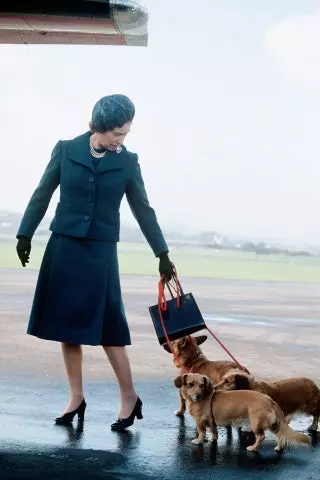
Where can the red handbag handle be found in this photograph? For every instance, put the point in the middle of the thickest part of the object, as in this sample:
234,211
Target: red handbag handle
162,302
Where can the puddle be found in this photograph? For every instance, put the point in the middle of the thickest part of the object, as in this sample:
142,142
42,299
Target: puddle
261,320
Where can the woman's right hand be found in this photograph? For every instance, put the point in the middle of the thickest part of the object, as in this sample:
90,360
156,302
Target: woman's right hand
166,267
23,250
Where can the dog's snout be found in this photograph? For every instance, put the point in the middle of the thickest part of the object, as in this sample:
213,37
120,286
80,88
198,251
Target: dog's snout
197,397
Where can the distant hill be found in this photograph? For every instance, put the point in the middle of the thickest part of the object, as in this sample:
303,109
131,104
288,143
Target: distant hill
9,223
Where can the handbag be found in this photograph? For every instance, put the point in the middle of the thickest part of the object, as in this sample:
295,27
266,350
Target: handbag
177,317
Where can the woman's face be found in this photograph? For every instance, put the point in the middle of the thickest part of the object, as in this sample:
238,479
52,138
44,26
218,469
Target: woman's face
113,138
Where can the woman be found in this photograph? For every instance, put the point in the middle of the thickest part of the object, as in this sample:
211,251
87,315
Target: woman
78,297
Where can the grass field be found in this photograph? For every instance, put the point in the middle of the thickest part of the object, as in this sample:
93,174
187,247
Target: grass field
193,262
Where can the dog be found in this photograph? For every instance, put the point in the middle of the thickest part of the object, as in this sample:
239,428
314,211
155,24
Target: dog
189,357
212,408
293,395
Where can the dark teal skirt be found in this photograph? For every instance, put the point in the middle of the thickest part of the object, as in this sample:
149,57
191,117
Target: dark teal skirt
78,295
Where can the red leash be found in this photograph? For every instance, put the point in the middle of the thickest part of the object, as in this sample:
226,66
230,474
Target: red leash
162,307
225,349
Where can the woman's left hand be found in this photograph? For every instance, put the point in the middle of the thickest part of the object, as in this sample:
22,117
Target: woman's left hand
166,267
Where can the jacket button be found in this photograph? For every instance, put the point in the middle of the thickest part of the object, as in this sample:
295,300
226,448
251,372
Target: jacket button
91,179
86,217
90,199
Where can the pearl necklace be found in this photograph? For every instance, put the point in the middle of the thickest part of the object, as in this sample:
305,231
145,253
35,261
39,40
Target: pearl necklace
94,153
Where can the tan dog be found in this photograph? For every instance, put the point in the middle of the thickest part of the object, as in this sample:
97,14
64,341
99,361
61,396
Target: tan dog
293,395
189,357
212,408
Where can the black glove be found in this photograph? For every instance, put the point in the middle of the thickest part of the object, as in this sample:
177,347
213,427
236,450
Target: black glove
165,266
24,249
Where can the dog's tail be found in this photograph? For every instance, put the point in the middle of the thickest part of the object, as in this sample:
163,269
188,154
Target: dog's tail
286,436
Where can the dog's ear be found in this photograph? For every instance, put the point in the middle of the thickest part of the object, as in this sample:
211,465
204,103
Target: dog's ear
241,382
208,385
200,339
183,342
166,347
178,382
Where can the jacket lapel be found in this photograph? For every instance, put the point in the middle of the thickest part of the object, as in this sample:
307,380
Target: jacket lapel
80,153
111,161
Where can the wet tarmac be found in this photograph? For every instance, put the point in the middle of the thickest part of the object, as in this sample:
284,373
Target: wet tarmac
157,447
274,324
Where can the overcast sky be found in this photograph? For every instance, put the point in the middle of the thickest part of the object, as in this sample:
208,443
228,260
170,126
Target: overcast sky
227,127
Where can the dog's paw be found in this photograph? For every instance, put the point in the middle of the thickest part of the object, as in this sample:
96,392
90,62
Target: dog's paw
179,413
251,448
197,441
212,437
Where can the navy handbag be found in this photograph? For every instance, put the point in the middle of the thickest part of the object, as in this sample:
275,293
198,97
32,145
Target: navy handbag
177,317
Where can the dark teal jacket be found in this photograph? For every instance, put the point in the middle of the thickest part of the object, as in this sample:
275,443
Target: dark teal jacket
90,197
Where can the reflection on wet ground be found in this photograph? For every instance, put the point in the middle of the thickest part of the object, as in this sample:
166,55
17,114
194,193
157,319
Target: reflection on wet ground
157,447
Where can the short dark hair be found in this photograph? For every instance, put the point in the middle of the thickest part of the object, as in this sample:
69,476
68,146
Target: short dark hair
111,112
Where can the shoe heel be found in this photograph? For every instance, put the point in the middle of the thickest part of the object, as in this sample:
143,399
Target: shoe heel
81,412
81,417
139,414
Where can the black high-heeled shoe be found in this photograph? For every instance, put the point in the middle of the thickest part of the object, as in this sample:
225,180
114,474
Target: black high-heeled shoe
67,418
122,423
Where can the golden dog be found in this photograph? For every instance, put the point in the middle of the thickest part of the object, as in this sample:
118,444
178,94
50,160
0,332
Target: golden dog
212,408
189,357
293,395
